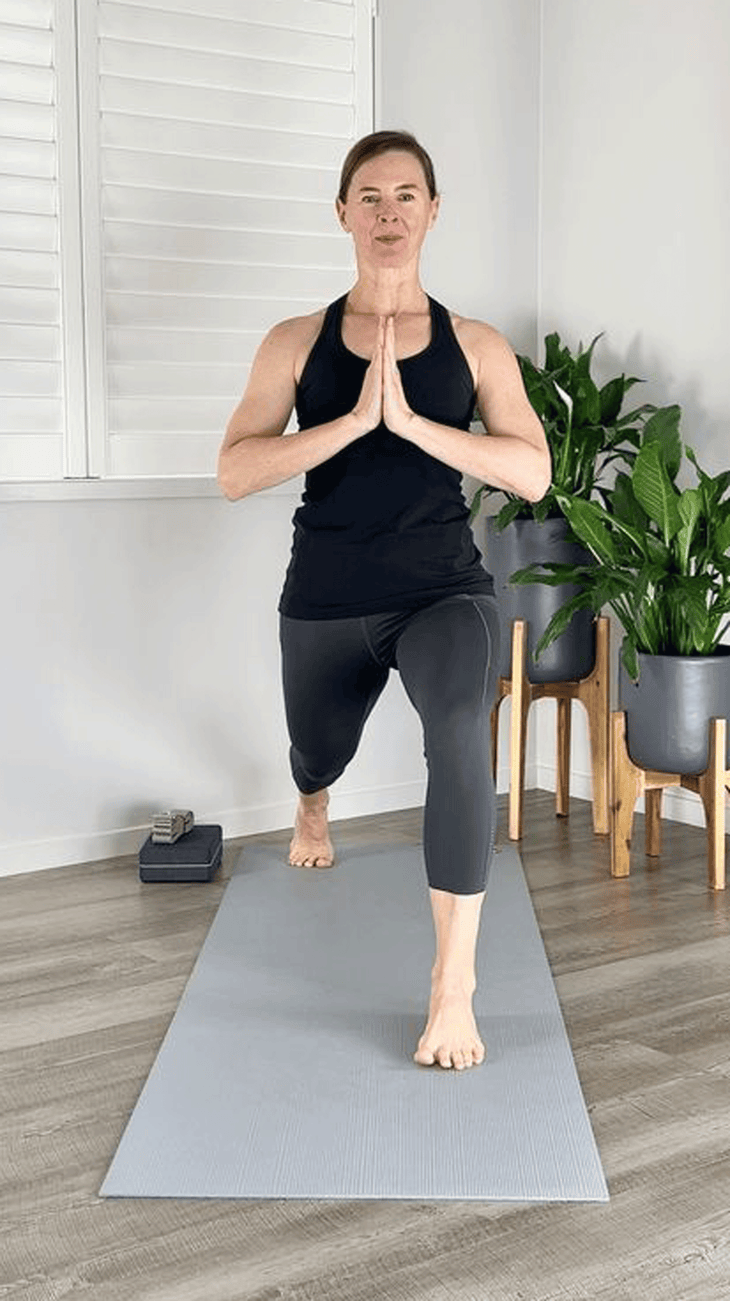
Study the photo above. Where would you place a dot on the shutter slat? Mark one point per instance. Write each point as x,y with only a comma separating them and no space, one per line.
30,307
28,232
211,35
213,210
214,245
28,194
27,13
183,68
27,415
155,380
188,415
27,121
31,456
223,106
42,379
211,141
179,347
222,279
328,16
29,343
28,270
26,84
207,313
27,158
28,46
215,177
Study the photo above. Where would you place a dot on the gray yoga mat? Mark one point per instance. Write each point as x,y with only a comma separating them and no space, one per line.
287,1070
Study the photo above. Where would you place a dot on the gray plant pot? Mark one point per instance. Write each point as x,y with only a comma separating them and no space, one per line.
668,711
572,655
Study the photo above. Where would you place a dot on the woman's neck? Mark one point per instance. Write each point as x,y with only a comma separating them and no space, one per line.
386,292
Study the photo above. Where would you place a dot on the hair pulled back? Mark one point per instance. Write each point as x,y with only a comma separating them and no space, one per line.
381,142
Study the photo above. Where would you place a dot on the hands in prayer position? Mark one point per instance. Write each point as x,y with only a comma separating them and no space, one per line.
382,396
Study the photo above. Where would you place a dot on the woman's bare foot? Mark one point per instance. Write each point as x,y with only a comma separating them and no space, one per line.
311,845
451,1037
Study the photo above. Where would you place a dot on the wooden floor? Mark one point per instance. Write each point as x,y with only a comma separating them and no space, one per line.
93,964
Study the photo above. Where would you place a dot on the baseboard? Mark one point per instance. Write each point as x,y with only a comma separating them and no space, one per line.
678,805
89,847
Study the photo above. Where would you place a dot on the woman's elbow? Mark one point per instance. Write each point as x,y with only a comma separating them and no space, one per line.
230,490
541,480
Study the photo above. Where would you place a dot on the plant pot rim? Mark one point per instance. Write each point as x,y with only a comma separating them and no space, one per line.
721,652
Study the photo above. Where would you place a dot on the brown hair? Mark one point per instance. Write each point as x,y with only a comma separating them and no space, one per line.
381,142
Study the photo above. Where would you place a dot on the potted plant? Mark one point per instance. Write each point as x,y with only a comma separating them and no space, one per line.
585,432
662,565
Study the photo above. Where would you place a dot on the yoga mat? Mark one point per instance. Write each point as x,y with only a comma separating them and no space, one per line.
287,1069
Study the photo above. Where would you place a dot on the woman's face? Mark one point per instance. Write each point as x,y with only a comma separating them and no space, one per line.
388,209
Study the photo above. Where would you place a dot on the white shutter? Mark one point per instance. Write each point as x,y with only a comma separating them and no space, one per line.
214,134
41,385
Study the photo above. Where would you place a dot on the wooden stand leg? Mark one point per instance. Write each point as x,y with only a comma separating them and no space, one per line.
711,787
518,727
627,783
494,733
597,704
653,812
562,795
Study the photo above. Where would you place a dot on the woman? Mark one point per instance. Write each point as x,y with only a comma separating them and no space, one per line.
384,572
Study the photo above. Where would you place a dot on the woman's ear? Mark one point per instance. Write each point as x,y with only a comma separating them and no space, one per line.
340,210
435,205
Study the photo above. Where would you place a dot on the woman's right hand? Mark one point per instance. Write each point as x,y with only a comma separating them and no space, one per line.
369,407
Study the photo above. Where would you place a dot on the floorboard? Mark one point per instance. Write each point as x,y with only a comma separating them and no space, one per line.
92,966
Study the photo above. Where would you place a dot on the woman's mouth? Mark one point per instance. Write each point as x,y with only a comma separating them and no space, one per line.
388,239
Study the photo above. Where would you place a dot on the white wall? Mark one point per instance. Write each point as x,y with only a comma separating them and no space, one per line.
139,666
635,214
111,707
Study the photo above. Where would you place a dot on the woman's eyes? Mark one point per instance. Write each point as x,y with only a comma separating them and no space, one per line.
374,198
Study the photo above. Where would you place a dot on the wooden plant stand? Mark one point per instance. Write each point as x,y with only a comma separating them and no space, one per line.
629,782
593,693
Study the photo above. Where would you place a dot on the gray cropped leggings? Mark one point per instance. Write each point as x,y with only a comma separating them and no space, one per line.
447,654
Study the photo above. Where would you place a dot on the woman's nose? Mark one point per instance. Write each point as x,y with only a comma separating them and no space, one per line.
386,214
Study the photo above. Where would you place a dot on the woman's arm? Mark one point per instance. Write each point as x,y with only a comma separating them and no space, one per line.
515,455
254,455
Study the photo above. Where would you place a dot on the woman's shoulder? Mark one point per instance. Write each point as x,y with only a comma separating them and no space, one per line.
296,330
476,334
294,337
484,347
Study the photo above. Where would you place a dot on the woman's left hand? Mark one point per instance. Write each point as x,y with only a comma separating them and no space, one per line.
397,415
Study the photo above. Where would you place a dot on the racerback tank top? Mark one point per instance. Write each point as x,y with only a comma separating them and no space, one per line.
383,525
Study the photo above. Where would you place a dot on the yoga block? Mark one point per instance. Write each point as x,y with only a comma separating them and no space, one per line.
196,856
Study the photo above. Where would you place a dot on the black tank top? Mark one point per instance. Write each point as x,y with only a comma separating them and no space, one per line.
383,525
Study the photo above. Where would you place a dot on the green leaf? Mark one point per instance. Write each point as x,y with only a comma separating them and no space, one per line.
476,503
654,490
587,520
722,538
663,428
624,504
552,573
512,508
629,656
560,621
610,398
690,508
555,356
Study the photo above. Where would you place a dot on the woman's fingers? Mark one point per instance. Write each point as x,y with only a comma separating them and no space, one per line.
396,412
369,407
